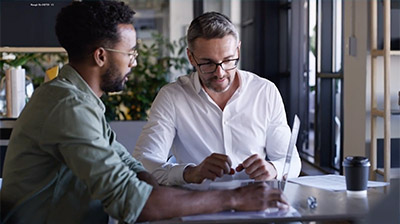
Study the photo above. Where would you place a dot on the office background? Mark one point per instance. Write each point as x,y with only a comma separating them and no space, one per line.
316,52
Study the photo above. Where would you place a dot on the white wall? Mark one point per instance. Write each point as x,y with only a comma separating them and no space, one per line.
180,16
355,79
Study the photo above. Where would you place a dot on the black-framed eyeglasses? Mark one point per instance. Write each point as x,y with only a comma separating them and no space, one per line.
132,54
211,67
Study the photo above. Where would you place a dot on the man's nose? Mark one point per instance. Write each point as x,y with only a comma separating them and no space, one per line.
220,72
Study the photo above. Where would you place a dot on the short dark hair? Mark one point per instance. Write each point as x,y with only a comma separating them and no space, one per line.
81,27
210,25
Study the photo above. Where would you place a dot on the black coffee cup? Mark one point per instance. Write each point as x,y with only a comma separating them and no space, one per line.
356,170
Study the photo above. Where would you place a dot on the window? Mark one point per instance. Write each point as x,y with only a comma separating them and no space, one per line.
323,144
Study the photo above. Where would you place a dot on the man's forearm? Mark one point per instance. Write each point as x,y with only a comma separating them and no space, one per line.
167,202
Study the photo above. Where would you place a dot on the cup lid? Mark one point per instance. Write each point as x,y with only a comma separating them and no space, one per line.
356,161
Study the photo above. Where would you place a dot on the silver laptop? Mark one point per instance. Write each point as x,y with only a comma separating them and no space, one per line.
289,154
280,184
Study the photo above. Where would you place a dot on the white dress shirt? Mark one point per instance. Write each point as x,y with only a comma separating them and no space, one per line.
185,122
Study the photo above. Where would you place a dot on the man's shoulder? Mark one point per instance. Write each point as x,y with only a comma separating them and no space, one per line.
61,93
59,105
64,88
252,79
182,83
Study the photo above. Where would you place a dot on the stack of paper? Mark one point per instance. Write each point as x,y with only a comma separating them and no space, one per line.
330,182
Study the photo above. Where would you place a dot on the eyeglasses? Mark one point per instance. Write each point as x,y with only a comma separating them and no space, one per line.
132,54
211,67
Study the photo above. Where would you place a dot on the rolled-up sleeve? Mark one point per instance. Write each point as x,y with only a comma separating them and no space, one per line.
87,146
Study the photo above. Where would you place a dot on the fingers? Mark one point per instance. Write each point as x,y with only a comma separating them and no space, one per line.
214,172
216,165
211,171
239,168
220,163
260,174
222,159
276,199
260,196
273,198
257,168
247,163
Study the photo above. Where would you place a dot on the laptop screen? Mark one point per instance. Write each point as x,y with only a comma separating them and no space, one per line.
292,142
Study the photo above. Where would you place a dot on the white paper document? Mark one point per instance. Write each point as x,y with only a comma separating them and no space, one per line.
330,182
225,182
235,215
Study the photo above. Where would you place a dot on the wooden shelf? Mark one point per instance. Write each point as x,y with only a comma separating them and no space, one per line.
394,172
395,53
377,112
381,113
377,53
33,49
386,53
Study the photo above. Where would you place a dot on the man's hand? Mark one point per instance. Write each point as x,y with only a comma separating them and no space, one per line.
215,165
259,196
258,168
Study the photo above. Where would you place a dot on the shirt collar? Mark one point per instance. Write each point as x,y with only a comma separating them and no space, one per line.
68,73
197,84
241,79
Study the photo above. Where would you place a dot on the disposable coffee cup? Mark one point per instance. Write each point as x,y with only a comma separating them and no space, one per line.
356,170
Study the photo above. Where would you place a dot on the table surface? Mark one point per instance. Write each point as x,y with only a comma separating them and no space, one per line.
331,205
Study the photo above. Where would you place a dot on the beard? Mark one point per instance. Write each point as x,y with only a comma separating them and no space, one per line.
112,80
209,84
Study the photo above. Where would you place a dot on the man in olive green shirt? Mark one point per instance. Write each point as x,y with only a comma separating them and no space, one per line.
63,163
62,155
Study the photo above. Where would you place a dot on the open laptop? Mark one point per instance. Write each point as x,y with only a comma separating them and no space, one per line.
273,183
289,154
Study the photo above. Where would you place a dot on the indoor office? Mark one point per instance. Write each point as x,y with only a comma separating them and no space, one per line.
335,64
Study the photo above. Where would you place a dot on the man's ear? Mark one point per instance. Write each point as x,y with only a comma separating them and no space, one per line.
100,56
190,57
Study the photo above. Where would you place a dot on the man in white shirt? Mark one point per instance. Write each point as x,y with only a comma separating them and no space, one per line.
219,120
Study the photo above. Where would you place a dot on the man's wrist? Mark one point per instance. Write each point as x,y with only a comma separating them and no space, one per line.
274,169
148,178
187,173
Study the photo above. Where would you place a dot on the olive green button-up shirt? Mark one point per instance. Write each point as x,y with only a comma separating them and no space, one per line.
63,163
